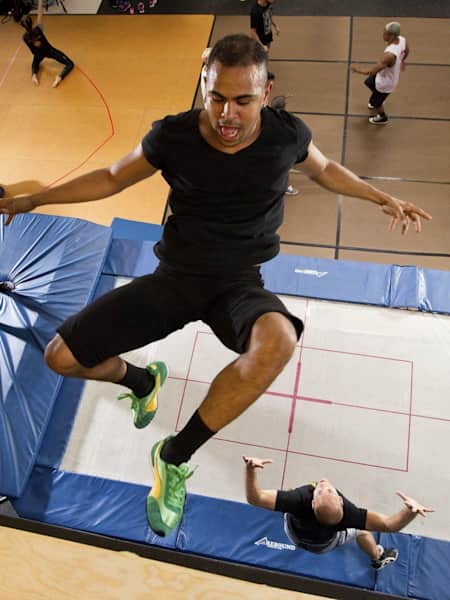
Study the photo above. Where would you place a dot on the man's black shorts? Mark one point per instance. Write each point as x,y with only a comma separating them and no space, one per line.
377,98
151,307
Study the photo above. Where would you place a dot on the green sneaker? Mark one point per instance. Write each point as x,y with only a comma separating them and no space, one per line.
144,409
165,502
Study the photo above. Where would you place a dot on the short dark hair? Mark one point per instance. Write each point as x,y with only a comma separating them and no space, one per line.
238,50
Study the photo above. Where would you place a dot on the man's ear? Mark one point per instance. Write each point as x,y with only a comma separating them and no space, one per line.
269,87
203,77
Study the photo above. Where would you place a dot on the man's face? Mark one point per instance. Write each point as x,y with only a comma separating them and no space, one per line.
387,37
234,97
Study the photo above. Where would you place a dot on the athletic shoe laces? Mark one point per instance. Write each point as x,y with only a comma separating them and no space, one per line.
176,490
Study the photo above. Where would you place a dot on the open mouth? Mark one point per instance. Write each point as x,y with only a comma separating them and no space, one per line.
229,133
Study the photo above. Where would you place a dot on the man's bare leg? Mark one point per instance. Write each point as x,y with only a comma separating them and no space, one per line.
367,543
60,359
272,342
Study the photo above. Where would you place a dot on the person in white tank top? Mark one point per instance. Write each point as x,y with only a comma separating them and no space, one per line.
384,76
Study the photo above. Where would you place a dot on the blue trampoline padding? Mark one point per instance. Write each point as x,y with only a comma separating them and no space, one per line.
238,532
93,504
135,230
422,569
217,528
404,287
56,438
434,291
427,290
429,569
395,579
49,270
328,279
337,280
65,407
230,531
131,258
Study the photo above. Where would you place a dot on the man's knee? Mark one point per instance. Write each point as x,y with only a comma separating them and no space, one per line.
59,358
275,336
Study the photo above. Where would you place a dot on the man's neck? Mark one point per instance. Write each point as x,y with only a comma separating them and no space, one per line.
208,134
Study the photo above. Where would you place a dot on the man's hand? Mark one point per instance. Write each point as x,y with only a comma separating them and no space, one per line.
15,205
256,463
405,212
414,506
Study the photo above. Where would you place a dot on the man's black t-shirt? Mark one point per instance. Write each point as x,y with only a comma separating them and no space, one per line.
297,503
261,21
226,208
37,43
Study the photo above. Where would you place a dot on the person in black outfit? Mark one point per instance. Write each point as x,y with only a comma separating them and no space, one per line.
261,23
41,48
318,518
228,167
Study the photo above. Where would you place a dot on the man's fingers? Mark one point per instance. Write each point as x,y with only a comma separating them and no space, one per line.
392,224
405,225
253,461
419,212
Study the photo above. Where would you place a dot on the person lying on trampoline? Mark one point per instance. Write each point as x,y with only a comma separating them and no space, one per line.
227,166
318,518
41,48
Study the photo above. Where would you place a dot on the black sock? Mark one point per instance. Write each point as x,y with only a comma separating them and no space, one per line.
138,380
180,448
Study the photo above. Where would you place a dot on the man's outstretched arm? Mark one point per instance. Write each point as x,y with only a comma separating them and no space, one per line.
95,185
338,179
255,495
378,522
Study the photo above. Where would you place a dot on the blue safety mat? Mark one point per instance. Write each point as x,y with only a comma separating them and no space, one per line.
327,279
429,569
131,258
216,528
255,536
423,289
65,409
94,504
230,531
135,230
391,286
49,267
421,571
131,253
